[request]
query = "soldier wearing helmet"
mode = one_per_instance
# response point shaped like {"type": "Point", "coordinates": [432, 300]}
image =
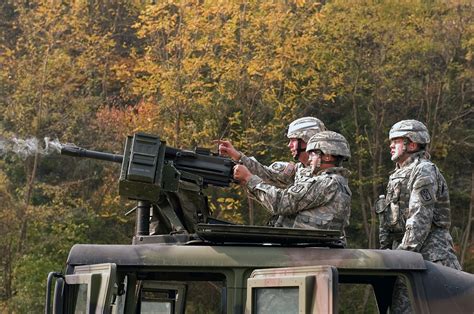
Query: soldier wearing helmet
{"type": "Point", "coordinates": [281, 174]}
{"type": "Point", "coordinates": [320, 198]}
{"type": "Point", "coordinates": [415, 214]}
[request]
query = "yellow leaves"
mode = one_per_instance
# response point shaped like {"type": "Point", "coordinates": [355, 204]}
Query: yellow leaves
{"type": "Point", "coordinates": [254, 69]}
{"type": "Point", "coordinates": [228, 202]}
{"type": "Point", "coordinates": [122, 71]}
{"type": "Point", "coordinates": [6, 53]}
{"type": "Point", "coordinates": [300, 3]}
{"type": "Point", "coordinates": [228, 208]}
{"type": "Point", "coordinates": [329, 97]}
{"type": "Point", "coordinates": [4, 188]}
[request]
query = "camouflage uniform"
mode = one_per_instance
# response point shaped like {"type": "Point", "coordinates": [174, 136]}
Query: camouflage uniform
{"type": "Point", "coordinates": [415, 216]}
{"type": "Point", "coordinates": [319, 201]}
{"type": "Point", "coordinates": [280, 174]}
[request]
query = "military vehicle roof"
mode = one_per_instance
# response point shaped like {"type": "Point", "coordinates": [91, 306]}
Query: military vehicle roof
{"type": "Point", "coordinates": [243, 256]}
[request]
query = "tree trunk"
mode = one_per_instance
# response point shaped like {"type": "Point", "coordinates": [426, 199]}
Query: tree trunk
{"type": "Point", "coordinates": [23, 214]}
{"type": "Point", "coordinates": [360, 167]}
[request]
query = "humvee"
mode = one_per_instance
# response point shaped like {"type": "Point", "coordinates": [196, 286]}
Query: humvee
{"type": "Point", "coordinates": [211, 266]}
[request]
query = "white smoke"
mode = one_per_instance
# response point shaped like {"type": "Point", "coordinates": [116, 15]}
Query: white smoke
{"type": "Point", "coordinates": [29, 147]}
{"type": "Point", "coordinates": [52, 146]}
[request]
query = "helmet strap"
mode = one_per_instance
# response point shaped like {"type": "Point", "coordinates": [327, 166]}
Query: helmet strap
{"type": "Point", "coordinates": [405, 145]}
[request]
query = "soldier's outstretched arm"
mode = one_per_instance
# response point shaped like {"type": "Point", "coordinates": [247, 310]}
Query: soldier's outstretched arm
{"type": "Point", "coordinates": [280, 174]}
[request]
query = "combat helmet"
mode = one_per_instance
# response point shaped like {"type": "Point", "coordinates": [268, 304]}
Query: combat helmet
{"type": "Point", "coordinates": [414, 130]}
{"type": "Point", "coordinates": [330, 143]}
{"type": "Point", "coordinates": [304, 128]}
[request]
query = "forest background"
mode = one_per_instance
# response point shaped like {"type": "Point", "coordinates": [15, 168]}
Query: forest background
{"type": "Point", "coordinates": [92, 72]}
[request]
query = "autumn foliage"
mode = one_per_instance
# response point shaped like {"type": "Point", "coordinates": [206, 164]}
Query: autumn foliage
{"type": "Point", "coordinates": [93, 72]}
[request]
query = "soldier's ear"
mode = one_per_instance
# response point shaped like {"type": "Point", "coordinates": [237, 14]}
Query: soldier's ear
{"type": "Point", "coordinates": [413, 147]}
{"type": "Point", "coordinates": [328, 157]}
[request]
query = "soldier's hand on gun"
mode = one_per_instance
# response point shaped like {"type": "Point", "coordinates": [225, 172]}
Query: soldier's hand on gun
{"type": "Point", "coordinates": [242, 174]}
{"type": "Point", "coordinates": [226, 149]}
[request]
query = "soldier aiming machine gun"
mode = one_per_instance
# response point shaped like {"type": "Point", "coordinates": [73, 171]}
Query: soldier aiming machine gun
{"type": "Point", "coordinates": [168, 183]}
{"type": "Point", "coordinates": [165, 177]}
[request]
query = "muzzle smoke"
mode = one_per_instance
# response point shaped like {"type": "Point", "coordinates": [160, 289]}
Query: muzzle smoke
{"type": "Point", "coordinates": [29, 147]}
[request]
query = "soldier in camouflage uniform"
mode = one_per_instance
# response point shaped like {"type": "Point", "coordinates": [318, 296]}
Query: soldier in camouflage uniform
{"type": "Point", "coordinates": [415, 215]}
{"type": "Point", "coordinates": [281, 174]}
{"type": "Point", "coordinates": [320, 197]}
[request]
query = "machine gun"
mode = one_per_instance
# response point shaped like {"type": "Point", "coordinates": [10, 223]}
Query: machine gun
{"type": "Point", "coordinates": [169, 182]}
{"type": "Point", "coordinates": [168, 178]}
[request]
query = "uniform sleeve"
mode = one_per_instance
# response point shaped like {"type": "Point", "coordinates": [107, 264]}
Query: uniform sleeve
{"type": "Point", "coordinates": [420, 210]}
{"type": "Point", "coordinates": [280, 174]}
{"type": "Point", "coordinates": [300, 196]}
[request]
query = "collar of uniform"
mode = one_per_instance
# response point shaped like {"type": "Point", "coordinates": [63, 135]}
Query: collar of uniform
{"type": "Point", "coordinates": [412, 158]}
{"type": "Point", "coordinates": [335, 170]}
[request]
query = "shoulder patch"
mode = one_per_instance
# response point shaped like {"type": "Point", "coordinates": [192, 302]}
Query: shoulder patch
{"type": "Point", "coordinates": [426, 195]}
{"type": "Point", "coordinates": [286, 168]}
{"type": "Point", "coordinates": [278, 166]}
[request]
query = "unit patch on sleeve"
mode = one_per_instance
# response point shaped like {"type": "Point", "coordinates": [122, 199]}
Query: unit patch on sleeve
{"type": "Point", "coordinates": [278, 166]}
{"type": "Point", "coordinates": [426, 195]}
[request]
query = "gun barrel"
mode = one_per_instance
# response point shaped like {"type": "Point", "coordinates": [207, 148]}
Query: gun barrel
{"type": "Point", "coordinates": [81, 152]}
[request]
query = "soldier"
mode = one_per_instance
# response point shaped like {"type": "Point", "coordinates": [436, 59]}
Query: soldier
{"type": "Point", "coordinates": [281, 174]}
{"type": "Point", "coordinates": [415, 215]}
{"type": "Point", "coordinates": [320, 197]}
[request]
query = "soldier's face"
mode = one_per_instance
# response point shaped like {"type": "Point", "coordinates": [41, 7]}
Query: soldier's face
{"type": "Point", "coordinates": [315, 158]}
{"type": "Point", "coordinates": [293, 146]}
{"type": "Point", "coordinates": [397, 149]}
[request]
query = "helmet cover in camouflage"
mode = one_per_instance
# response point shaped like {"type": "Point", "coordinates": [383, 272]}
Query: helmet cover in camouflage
{"type": "Point", "coordinates": [304, 128]}
{"type": "Point", "coordinates": [330, 143]}
{"type": "Point", "coordinates": [414, 130]}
